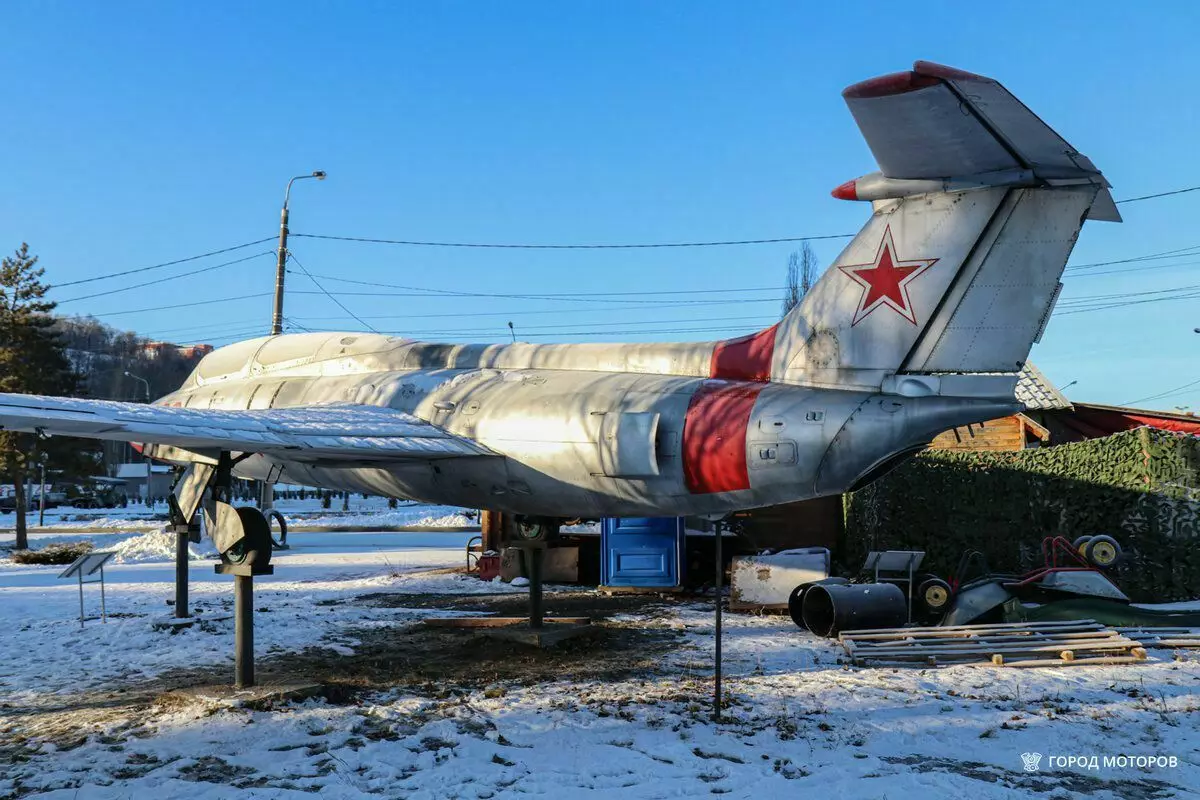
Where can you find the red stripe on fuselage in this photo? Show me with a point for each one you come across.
(714, 437)
(747, 358)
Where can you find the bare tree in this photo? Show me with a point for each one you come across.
(801, 275)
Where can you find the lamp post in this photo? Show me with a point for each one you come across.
(145, 458)
(145, 383)
(281, 260)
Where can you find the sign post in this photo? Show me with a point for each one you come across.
(87, 565)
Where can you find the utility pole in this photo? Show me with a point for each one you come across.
(266, 491)
(281, 259)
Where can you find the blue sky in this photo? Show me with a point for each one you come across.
(142, 132)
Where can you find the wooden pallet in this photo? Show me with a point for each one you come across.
(1163, 637)
(1015, 644)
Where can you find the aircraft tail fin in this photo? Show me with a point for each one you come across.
(977, 206)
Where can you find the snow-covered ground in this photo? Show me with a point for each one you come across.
(364, 512)
(90, 713)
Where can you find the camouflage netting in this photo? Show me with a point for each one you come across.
(1140, 487)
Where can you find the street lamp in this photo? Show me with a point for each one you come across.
(145, 458)
(145, 383)
(281, 262)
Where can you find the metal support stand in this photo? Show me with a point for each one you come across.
(535, 629)
(103, 611)
(227, 524)
(718, 582)
(181, 573)
(243, 610)
(536, 558)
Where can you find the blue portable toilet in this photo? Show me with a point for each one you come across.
(641, 551)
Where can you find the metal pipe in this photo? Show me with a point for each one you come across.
(830, 609)
(243, 635)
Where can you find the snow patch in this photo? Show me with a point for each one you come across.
(158, 546)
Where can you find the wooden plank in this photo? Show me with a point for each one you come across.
(1053, 662)
(986, 650)
(996, 626)
(1014, 637)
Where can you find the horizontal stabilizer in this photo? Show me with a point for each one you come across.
(940, 123)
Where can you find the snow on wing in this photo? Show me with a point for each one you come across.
(333, 430)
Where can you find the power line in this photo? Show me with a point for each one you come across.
(424, 292)
(1084, 299)
(1162, 394)
(164, 264)
(559, 330)
(627, 303)
(638, 246)
(164, 280)
(1147, 257)
(182, 305)
(1134, 269)
(340, 305)
(1160, 194)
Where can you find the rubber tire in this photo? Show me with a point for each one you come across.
(1080, 543)
(534, 530)
(942, 590)
(1109, 555)
(255, 547)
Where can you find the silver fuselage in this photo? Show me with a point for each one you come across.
(575, 432)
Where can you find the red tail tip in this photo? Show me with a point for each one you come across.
(847, 191)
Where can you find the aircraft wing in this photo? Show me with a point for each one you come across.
(306, 433)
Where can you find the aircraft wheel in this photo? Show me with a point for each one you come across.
(532, 530)
(1102, 552)
(254, 548)
(1080, 543)
(935, 594)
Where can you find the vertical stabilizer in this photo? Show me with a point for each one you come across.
(977, 207)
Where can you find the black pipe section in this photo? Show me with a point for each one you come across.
(830, 609)
(796, 599)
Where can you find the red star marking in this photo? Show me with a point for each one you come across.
(885, 281)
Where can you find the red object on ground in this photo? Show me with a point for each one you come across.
(489, 567)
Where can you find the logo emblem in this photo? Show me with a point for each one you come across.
(1033, 761)
(885, 281)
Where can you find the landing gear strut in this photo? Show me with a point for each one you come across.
(243, 538)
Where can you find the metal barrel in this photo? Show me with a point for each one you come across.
(830, 609)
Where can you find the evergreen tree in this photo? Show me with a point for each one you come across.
(33, 360)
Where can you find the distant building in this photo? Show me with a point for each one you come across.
(154, 349)
(133, 480)
(1050, 419)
